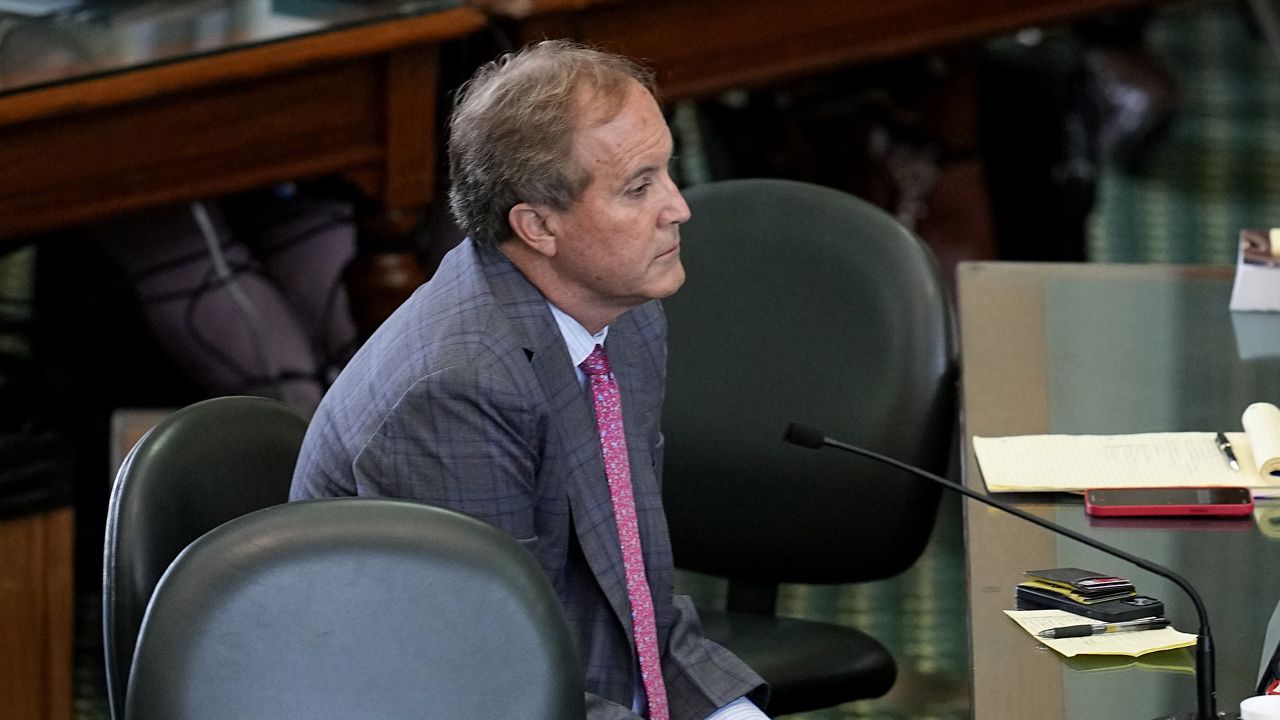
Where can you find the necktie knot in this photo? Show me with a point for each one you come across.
(597, 363)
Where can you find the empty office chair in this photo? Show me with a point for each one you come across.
(802, 304)
(196, 469)
(355, 608)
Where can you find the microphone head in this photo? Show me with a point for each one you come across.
(804, 436)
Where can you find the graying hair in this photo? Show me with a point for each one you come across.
(511, 132)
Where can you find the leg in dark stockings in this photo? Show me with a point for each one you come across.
(232, 332)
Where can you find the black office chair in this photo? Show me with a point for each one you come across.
(802, 304)
(201, 466)
(355, 608)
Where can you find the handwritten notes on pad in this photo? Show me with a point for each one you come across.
(1030, 463)
(1075, 462)
(1121, 643)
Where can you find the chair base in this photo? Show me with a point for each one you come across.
(820, 664)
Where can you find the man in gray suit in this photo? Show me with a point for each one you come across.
(470, 396)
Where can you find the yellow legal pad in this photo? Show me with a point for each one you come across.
(1073, 463)
(1132, 644)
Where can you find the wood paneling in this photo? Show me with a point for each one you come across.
(36, 616)
(198, 143)
(701, 47)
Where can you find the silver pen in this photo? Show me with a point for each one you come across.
(1225, 446)
(1070, 631)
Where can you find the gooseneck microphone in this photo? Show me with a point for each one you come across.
(1206, 694)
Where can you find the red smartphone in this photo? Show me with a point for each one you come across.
(1216, 501)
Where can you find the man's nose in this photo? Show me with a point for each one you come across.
(678, 210)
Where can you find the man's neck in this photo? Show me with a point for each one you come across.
(537, 270)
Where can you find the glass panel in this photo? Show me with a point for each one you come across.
(1151, 354)
(100, 38)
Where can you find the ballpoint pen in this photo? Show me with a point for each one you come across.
(1070, 631)
(1225, 446)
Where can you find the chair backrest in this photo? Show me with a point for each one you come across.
(355, 608)
(197, 468)
(803, 304)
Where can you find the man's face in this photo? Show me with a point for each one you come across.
(618, 245)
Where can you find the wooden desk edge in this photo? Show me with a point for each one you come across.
(520, 9)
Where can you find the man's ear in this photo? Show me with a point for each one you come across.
(531, 227)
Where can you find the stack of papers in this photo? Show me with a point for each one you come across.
(1132, 644)
(1178, 660)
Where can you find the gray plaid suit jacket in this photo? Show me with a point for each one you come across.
(466, 398)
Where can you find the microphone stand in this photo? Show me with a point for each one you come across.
(1206, 694)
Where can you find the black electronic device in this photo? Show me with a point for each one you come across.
(1085, 583)
(1129, 608)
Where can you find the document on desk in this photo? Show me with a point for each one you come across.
(1132, 644)
(1034, 463)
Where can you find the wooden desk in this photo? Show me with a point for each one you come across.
(701, 47)
(206, 118)
(1109, 349)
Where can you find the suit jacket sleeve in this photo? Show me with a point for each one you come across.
(599, 708)
(461, 437)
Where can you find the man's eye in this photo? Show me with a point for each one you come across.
(640, 189)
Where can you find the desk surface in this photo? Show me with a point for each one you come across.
(1111, 349)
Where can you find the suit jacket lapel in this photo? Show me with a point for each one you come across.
(633, 346)
(573, 427)
(625, 356)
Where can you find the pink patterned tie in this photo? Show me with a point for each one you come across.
(617, 469)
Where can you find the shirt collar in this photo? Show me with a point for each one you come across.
(577, 340)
